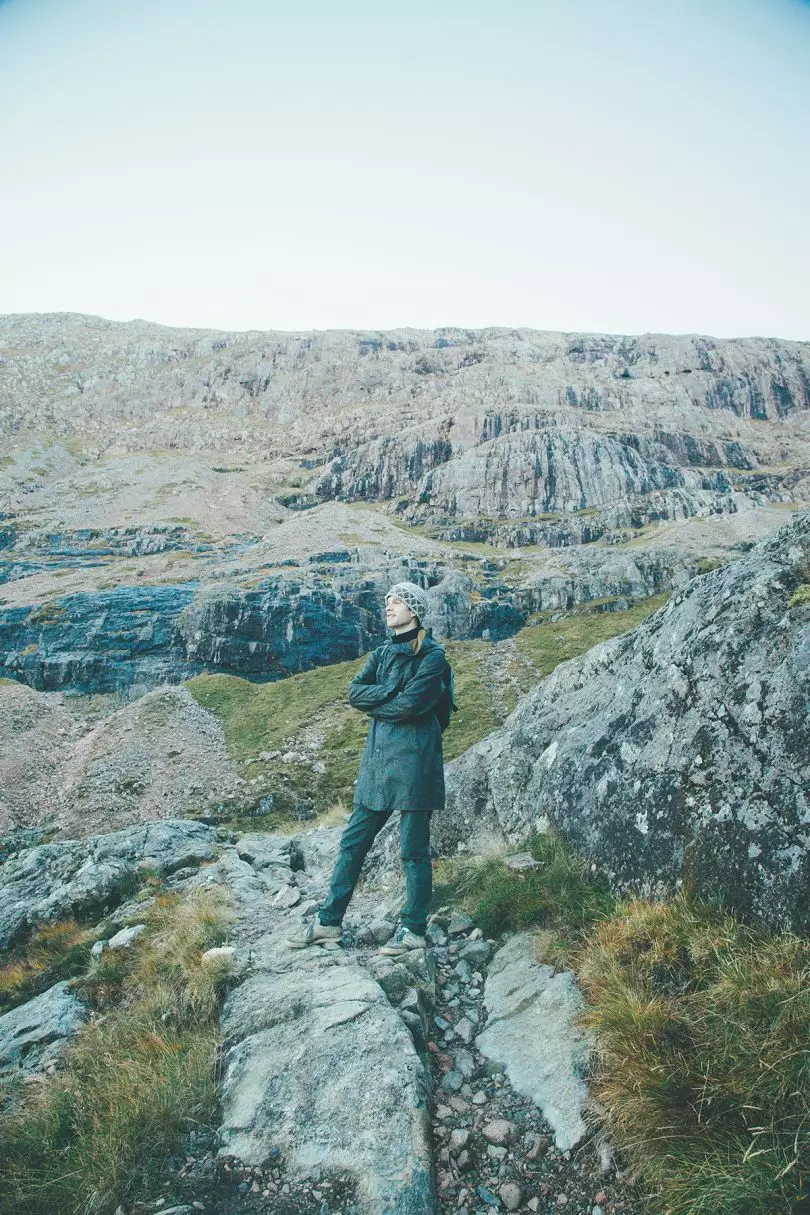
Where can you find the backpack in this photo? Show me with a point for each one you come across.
(446, 706)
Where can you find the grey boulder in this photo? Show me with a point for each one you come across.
(317, 1062)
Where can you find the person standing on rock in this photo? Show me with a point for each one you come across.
(406, 688)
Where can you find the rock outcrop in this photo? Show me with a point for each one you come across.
(531, 1030)
(33, 1036)
(159, 505)
(679, 752)
(86, 878)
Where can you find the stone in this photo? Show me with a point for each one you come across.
(219, 953)
(521, 861)
(458, 1139)
(511, 1195)
(475, 953)
(487, 1196)
(479, 1098)
(690, 733)
(126, 937)
(383, 930)
(464, 1162)
(536, 1146)
(533, 1204)
(452, 1081)
(33, 1035)
(286, 897)
(465, 1030)
(495, 1152)
(262, 851)
(436, 935)
(459, 922)
(464, 1063)
(97, 949)
(532, 1032)
(499, 1132)
(462, 969)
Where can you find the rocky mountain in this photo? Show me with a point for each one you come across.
(180, 500)
(677, 754)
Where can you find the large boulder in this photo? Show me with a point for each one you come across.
(677, 753)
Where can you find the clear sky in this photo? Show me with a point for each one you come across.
(608, 165)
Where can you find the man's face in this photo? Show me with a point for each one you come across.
(397, 614)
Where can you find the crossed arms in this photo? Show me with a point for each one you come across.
(384, 702)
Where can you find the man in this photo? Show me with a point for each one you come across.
(406, 689)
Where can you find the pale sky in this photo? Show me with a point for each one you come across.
(598, 165)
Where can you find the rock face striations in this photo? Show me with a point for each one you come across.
(173, 501)
(679, 752)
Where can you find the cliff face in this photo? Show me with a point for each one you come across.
(179, 500)
(679, 752)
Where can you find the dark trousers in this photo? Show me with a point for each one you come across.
(414, 850)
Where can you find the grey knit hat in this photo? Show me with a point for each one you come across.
(413, 596)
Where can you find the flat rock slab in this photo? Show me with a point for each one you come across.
(531, 1030)
(32, 1035)
(319, 1066)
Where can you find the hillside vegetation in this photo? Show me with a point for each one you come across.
(298, 743)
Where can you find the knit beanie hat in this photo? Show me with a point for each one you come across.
(413, 596)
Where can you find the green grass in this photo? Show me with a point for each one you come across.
(476, 716)
(547, 644)
(801, 596)
(701, 1029)
(700, 1025)
(259, 717)
(134, 1081)
(561, 893)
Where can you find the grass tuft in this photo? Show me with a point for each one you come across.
(701, 1029)
(55, 952)
(561, 893)
(135, 1080)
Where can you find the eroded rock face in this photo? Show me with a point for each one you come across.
(82, 878)
(680, 750)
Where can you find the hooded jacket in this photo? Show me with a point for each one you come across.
(402, 767)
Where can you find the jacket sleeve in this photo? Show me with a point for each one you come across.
(364, 691)
(419, 695)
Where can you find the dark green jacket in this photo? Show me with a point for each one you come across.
(402, 766)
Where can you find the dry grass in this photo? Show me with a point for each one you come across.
(135, 1081)
(56, 951)
(701, 1028)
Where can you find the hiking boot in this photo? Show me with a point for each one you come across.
(316, 934)
(403, 941)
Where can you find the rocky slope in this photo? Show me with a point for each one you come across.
(323, 1049)
(677, 753)
(160, 489)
